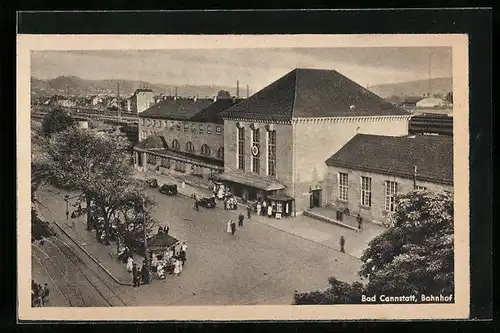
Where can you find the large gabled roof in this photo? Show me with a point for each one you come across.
(431, 154)
(176, 109)
(305, 93)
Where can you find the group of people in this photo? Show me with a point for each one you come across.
(230, 202)
(231, 225)
(140, 275)
(263, 208)
(39, 294)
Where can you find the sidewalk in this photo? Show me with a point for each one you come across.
(324, 233)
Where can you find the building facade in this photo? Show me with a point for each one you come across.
(141, 100)
(182, 136)
(301, 119)
(367, 173)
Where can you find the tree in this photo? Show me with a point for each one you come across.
(415, 256)
(339, 292)
(90, 162)
(57, 120)
(223, 94)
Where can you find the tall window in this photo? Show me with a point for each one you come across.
(343, 188)
(366, 191)
(241, 148)
(256, 151)
(391, 189)
(209, 129)
(220, 152)
(205, 150)
(271, 153)
(189, 147)
(176, 145)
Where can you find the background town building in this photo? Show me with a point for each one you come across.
(367, 172)
(141, 100)
(302, 119)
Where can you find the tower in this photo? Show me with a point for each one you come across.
(237, 89)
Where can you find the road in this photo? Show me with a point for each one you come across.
(258, 265)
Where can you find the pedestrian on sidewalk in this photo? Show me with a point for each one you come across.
(130, 264)
(144, 273)
(269, 211)
(259, 207)
(183, 185)
(177, 267)
(183, 254)
(233, 227)
(342, 243)
(264, 208)
(196, 205)
(241, 217)
(249, 211)
(228, 227)
(360, 222)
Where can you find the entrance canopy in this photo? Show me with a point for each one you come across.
(251, 179)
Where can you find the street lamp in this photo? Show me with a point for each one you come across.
(66, 198)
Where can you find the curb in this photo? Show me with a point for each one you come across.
(329, 220)
(91, 257)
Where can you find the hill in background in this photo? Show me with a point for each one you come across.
(75, 85)
(414, 88)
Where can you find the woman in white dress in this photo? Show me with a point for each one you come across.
(228, 227)
(177, 267)
(130, 263)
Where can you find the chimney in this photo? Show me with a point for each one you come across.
(237, 89)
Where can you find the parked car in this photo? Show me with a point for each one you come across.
(152, 182)
(207, 202)
(168, 189)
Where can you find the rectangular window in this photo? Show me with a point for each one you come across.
(179, 126)
(218, 129)
(366, 191)
(241, 148)
(256, 151)
(159, 123)
(391, 189)
(343, 186)
(171, 125)
(186, 127)
(271, 153)
(209, 129)
(420, 188)
(201, 127)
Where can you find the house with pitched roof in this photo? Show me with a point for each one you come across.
(276, 141)
(181, 135)
(141, 100)
(366, 174)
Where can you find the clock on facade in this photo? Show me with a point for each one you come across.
(255, 150)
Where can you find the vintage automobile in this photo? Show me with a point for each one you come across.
(152, 182)
(207, 202)
(168, 189)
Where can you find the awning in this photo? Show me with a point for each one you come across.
(201, 161)
(278, 197)
(161, 241)
(250, 179)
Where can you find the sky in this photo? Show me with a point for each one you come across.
(256, 67)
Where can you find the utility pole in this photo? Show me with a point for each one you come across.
(146, 254)
(237, 89)
(248, 90)
(414, 177)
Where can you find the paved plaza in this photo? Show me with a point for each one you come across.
(263, 263)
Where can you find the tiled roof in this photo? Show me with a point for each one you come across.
(152, 142)
(143, 90)
(161, 241)
(180, 109)
(432, 154)
(212, 113)
(312, 93)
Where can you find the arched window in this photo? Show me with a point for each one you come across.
(205, 150)
(176, 145)
(189, 147)
(220, 152)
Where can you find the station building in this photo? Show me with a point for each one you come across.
(366, 174)
(182, 136)
(276, 141)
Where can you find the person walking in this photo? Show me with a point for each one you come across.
(233, 227)
(360, 222)
(241, 217)
(259, 207)
(249, 211)
(228, 227)
(177, 267)
(269, 211)
(144, 273)
(196, 205)
(183, 254)
(264, 208)
(342, 243)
